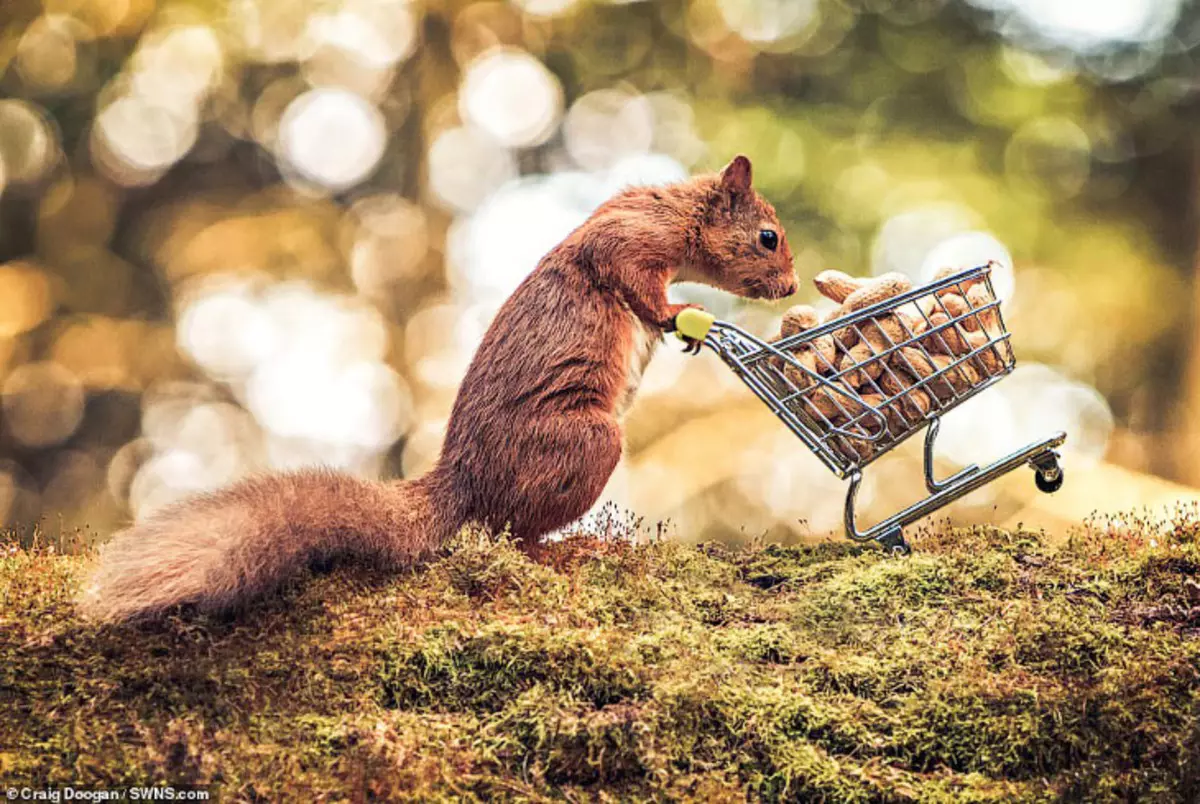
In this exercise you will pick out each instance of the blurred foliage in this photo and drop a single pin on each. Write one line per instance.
(239, 234)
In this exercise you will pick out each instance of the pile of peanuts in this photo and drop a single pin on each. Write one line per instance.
(856, 352)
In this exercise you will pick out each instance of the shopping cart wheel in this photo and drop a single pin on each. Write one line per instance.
(1047, 474)
(1048, 480)
(893, 542)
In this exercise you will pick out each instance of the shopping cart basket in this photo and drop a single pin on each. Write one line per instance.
(923, 356)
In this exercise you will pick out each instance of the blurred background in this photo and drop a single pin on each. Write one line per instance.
(238, 235)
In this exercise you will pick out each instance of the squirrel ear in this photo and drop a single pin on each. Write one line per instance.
(736, 175)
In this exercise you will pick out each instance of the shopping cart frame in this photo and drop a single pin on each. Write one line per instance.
(758, 364)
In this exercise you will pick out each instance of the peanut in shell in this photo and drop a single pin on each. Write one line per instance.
(860, 365)
(881, 288)
(836, 285)
(798, 319)
(947, 340)
(958, 287)
(797, 377)
(825, 404)
(912, 403)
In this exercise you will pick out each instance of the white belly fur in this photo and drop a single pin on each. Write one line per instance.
(645, 340)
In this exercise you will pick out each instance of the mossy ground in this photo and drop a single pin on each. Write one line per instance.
(989, 665)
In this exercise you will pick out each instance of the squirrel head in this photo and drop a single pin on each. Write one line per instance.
(741, 246)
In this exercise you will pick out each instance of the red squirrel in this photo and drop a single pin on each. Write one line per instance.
(534, 434)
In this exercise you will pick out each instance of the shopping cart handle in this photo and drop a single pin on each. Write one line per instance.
(693, 323)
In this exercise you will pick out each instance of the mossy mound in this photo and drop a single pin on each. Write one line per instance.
(989, 665)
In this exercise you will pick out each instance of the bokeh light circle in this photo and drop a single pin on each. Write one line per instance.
(28, 146)
(25, 298)
(1085, 25)
(467, 165)
(226, 332)
(545, 8)
(391, 238)
(1033, 402)
(969, 250)
(380, 34)
(136, 141)
(905, 239)
(20, 504)
(1049, 155)
(48, 52)
(178, 65)
(643, 170)
(606, 125)
(512, 96)
(332, 137)
(501, 243)
(768, 20)
(43, 404)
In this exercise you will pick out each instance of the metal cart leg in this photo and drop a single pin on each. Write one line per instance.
(933, 485)
(1040, 455)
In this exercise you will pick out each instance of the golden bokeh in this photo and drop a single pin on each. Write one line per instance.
(26, 299)
(42, 403)
(258, 234)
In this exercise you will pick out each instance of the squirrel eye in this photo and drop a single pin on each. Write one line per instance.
(768, 238)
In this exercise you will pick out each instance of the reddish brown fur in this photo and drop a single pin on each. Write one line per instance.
(534, 434)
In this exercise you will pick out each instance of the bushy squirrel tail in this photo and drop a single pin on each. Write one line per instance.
(221, 550)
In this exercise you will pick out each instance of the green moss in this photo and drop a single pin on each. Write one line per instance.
(989, 666)
(450, 668)
(486, 567)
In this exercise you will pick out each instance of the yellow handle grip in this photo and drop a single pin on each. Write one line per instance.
(693, 323)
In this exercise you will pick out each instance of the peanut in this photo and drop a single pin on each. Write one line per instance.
(988, 358)
(951, 304)
(830, 405)
(979, 298)
(956, 306)
(860, 365)
(912, 322)
(845, 337)
(864, 420)
(896, 423)
(866, 423)
(797, 319)
(962, 377)
(836, 285)
(869, 423)
(883, 287)
(885, 332)
(949, 340)
(826, 351)
(854, 449)
(959, 287)
(887, 329)
(913, 403)
(797, 377)
(913, 363)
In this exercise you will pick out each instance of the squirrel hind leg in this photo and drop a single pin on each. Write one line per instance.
(569, 473)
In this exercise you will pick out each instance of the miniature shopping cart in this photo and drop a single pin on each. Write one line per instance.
(860, 405)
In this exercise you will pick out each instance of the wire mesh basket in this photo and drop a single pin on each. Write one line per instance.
(855, 387)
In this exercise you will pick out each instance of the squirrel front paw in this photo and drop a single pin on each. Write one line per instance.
(692, 345)
(673, 312)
